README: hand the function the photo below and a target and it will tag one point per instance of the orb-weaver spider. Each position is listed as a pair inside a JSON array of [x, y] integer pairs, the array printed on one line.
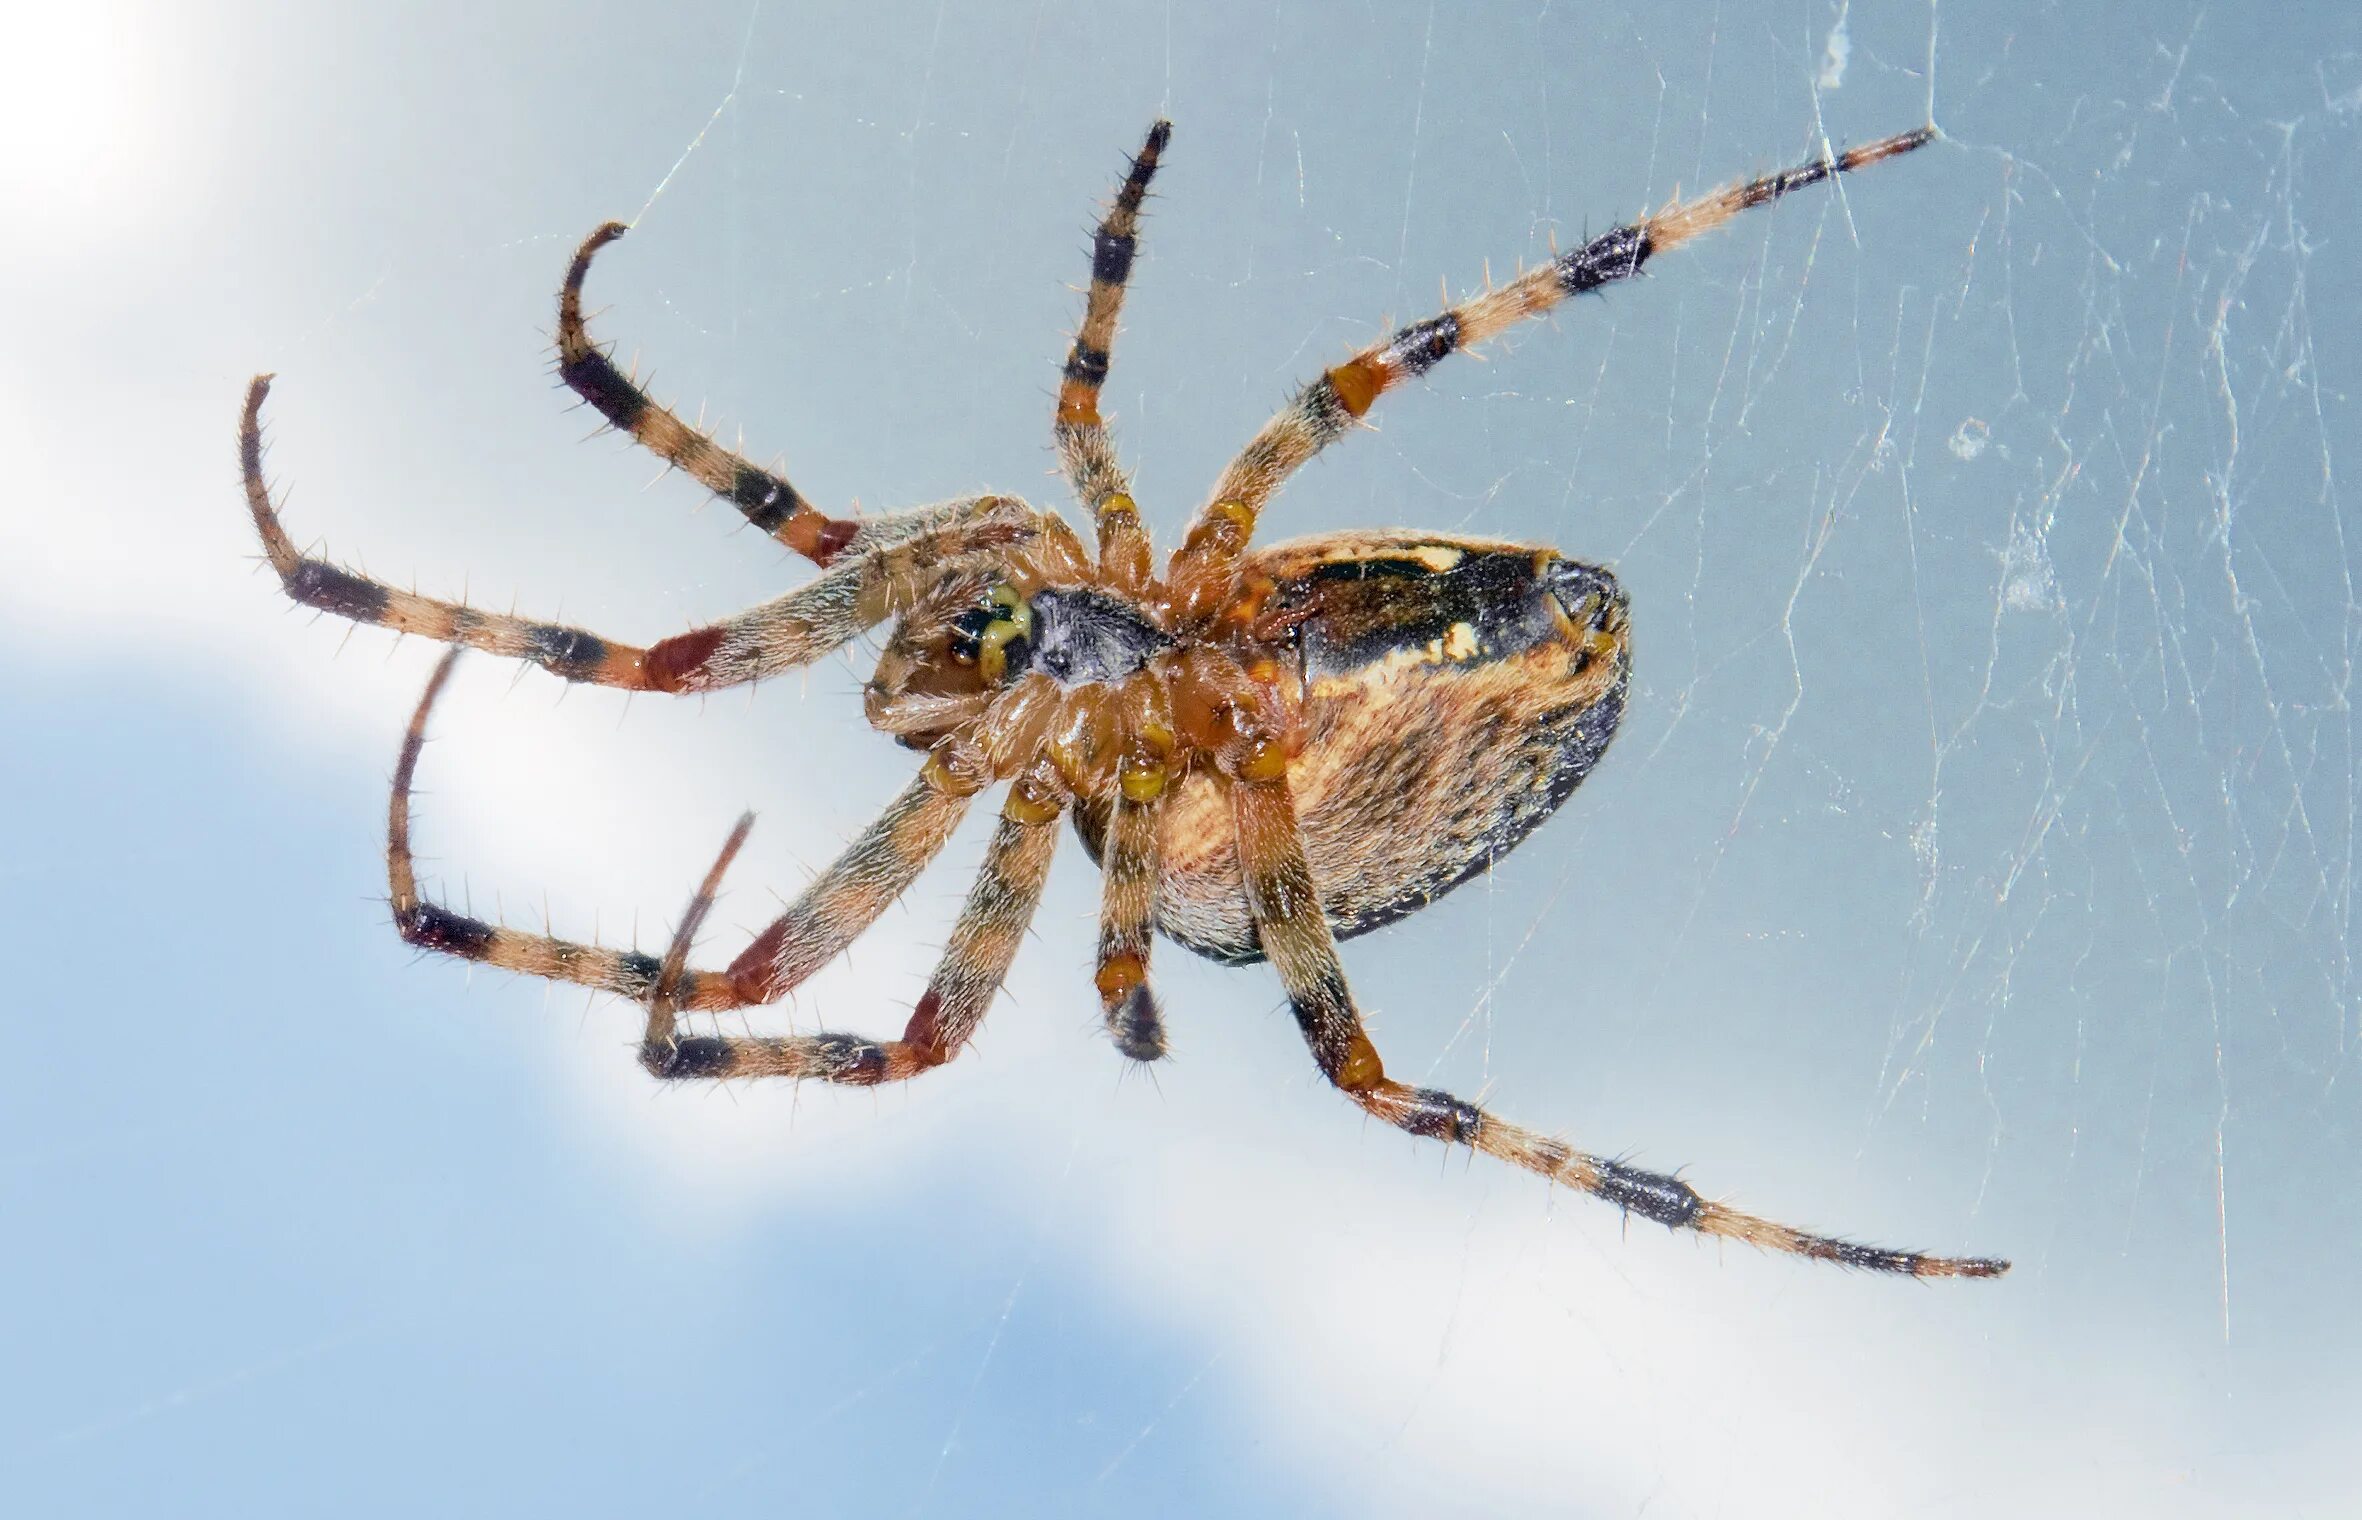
[[1266, 749]]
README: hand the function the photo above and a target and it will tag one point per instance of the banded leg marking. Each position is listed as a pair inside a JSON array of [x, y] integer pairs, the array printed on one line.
[[1085, 447], [844, 900], [790, 631], [1323, 411], [1001, 904], [1295, 935], [841, 903], [1127, 918], [1113, 246], [764, 498], [571, 653], [429, 925]]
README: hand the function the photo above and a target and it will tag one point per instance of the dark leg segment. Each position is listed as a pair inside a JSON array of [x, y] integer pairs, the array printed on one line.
[[572, 653], [766, 499], [1084, 446], [839, 905], [431, 926], [844, 900], [1324, 410], [1295, 935], [1127, 919], [861, 592], [1008, 889]]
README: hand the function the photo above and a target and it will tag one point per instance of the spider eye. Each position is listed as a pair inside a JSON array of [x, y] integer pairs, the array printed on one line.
[[994, 635], [967, 634]]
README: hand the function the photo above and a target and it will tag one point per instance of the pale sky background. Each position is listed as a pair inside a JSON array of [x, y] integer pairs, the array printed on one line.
[[1975, 870]]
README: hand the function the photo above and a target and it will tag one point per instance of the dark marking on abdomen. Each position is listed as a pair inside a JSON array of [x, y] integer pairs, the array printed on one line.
[[1371, 608]]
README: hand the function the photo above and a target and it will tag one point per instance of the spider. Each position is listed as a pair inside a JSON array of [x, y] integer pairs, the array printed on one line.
[[1266, 750]]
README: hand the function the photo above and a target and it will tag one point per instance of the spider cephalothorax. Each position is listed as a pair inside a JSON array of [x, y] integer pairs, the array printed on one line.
[[1266, 749], [1432, 699]]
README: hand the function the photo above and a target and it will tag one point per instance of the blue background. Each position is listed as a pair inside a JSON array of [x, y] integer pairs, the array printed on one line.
[[1975, 870]]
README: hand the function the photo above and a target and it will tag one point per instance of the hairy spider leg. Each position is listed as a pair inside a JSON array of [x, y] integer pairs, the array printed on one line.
[[763, 497], [430, 926], [1295, 935], [664, 999], [1326, 409], [842, 902], [1127, 919], [1137, 720], [1085, 448], [845, 899], [792, 630], [1000, 906]]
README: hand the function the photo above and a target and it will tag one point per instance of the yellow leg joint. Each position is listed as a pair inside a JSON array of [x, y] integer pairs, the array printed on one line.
[[1141, 780], [1266, 760], [1361, 1069], [1119, 974], [1031, 803]]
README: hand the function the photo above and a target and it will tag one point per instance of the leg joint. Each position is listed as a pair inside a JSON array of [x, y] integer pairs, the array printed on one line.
[[1087, 365], [849, 1059], [1436, 1115]]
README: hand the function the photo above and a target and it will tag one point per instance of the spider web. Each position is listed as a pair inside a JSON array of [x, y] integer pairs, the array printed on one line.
[[1978, 855], [1982, 835], [1974, 871]]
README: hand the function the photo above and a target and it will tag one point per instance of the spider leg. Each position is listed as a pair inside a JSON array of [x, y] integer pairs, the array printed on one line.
[[431, 926], [1085, 449], [843, 900], [1127, 917], [844, 602], [1295, 935], [1001, 904], [1326, 409], [766, 499], [840, 903]]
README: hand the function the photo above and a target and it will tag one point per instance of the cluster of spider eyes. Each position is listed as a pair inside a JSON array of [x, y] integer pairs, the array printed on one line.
[[994, 636]]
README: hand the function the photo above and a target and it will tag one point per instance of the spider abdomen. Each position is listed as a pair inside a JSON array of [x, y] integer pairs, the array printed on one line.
[[1454, 692]]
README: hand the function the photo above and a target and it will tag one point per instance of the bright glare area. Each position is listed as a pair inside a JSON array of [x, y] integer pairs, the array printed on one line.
[[94, 122]]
